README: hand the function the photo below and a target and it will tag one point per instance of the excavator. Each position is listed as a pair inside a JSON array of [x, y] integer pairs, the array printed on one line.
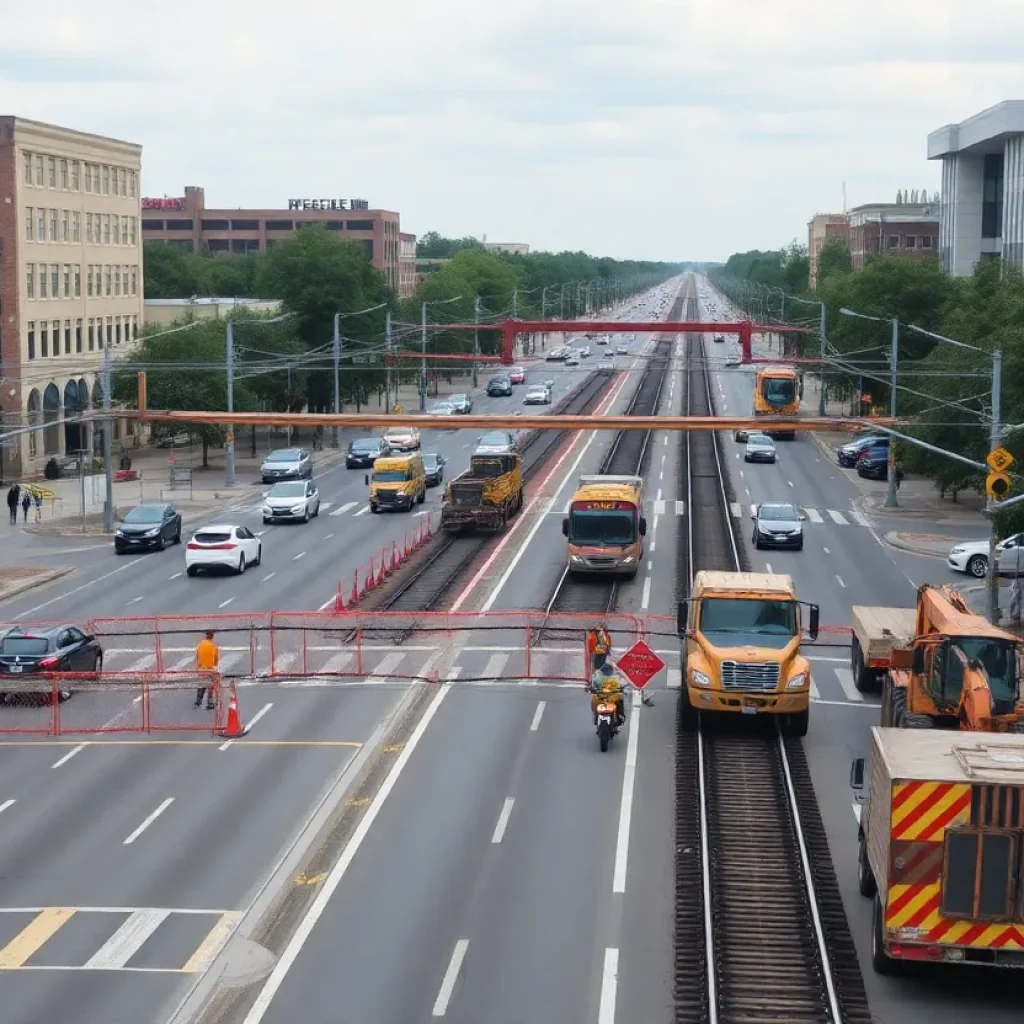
[[956, 672]]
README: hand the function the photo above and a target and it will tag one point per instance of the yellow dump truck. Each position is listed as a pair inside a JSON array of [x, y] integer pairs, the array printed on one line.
[[940, 835], [486, 496], [741, 635]]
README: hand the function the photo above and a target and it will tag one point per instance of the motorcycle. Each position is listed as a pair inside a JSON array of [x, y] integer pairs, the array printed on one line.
[[606, 717]]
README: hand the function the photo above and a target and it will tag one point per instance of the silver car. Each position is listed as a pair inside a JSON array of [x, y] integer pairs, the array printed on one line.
[[287, 464], [293, 500], [497, 442], [760, 448], [778, 524], [462, 404], [538, 394]]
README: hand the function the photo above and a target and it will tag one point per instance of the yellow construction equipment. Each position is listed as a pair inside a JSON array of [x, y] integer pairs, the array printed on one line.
[[486, 496]]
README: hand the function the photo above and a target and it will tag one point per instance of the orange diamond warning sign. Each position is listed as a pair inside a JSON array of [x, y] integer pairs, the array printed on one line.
[[999, 460]]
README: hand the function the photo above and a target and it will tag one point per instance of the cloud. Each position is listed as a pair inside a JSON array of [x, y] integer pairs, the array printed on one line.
[[659, 128]]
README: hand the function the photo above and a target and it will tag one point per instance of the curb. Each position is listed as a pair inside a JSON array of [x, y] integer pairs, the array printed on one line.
[[47, 576], [893, 540]]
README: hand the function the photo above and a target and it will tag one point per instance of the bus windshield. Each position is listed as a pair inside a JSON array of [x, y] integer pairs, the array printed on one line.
[[599, 528], [389, 476], [747, 615], [778, 390], [997, 657]]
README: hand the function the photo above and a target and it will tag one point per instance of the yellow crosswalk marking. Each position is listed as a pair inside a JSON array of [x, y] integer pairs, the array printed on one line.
[[213, 943], [34, 936]]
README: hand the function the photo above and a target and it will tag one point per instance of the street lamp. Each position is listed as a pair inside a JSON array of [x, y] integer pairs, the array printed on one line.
[[423, 346], [890, 495], [821, 339], [336, 347]]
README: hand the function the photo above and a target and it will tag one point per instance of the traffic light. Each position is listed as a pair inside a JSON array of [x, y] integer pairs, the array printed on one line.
[[997, 486]]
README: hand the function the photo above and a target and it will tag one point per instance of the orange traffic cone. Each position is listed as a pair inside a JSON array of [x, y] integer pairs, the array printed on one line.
[[355, 588], [396, 559], [234, 729], [379, 580], [339, 600]]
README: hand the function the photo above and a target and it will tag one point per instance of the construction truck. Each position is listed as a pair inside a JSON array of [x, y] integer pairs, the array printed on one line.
[[741, 634], [941, 829], [875, 631], [954, 670], [485, 496]]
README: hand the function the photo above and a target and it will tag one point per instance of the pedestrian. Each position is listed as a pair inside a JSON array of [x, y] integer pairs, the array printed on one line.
[[26, 501], [208, 660], [37, 500], [899, 477], [13, 496]]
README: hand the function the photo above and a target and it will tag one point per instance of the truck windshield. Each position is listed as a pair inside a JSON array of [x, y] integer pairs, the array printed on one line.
[[597, 528], [389, 476], [998, 658], [778, 390], [747, 615]]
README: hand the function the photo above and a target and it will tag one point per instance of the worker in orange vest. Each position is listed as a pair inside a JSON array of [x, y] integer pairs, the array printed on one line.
[[208, 660], [599, 646]]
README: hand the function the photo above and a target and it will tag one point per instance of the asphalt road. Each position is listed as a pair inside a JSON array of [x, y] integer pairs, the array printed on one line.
[[128, 859], [844, 563]]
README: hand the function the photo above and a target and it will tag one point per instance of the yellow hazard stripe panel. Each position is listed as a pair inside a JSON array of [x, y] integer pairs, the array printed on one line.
[[917, 907], [924, 810], [910, 906]]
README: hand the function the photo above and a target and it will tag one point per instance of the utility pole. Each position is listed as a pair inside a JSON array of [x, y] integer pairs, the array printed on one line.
[[821, 379], [561, 303], [476, 340], [890, 495], [229, 476], [994, 440], [423, 359], [336, 430], [388, 361], [108, 461]]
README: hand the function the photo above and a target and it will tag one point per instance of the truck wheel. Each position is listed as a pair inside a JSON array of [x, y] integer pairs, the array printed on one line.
[[880, 960], [519, 500], [897, 707], [796, 724], [863, 679], [865, 879]]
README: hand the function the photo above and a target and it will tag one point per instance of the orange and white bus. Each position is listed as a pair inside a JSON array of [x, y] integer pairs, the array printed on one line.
[[777, 393], [605, 526]]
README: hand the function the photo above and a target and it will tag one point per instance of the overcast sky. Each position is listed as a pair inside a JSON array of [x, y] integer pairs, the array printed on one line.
[[655, 129]]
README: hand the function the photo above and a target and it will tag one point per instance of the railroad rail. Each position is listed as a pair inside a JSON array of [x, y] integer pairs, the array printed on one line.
[[760, 929]]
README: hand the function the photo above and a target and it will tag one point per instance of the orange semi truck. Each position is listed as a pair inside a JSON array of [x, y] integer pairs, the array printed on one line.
[[605, 526]]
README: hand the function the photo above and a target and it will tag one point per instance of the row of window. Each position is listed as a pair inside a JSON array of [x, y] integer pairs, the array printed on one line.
[[910, 242], [46, 225], [75, 176], [102, 280], [96, 332], [187, 224]]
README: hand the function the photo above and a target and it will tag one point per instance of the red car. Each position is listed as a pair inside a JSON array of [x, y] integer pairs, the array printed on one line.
[[517, 375]]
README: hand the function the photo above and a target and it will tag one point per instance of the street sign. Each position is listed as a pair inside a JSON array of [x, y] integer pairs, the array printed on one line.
[[999, 461], [997, 485], [640, 664]]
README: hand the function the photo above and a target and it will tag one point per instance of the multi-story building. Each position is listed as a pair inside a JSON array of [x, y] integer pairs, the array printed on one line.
[[70, 280], [515, 248], [820, 227], [904, 229], [188, 222], [982, 208], [406, 265]]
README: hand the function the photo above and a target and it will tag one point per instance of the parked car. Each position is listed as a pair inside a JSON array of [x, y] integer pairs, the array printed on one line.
[[287, 464], [873, 463], [556, 355], [971, 557], [583, 352], [222, 547], [496, 442], [462, 404], [733, 361], [719, 339], [148, 526], [434, 467], [25, 651], [572, 359], [292, 501], [402, 439], [539, 394], [778, 525], [849, 453], [760, 448], [442, 409], [606, 364], [364, 450], [622, 350], [498, 386], [517, 375], [743, 434]]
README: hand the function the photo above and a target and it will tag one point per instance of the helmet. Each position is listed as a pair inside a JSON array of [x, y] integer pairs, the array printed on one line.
[[606, 670]]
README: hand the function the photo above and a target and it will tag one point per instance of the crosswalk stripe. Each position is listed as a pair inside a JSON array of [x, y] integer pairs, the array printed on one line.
[[325, 505], [680, 508], [674, 679], [815, 695], [858, 518], [753, 510], [363, 510], [734, 507], [342, 509], [207, 952], [34, 936], [814, 515], [387, 665], [495, 665], [337, 663], [845, 677], [659, 507], [838, 517], [127, 940]]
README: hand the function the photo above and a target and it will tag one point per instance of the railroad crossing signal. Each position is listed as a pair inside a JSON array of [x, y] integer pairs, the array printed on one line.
[[999, 461], [640, 664], [997, 486]]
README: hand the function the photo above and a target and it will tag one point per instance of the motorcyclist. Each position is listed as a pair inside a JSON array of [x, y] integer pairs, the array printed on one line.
[[607, 684], [599, 646]]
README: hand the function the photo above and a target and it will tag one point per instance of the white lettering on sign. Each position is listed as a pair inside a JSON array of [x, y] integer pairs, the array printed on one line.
[[328, 204]]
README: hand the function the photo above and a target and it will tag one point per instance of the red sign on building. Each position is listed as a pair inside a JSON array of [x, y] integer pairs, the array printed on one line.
[[163, 204], [640, 664]]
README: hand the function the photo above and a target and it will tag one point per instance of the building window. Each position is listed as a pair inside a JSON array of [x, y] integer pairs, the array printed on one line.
[[67, 338], [67, 280], [131, 184], [106, 180], [64, 179], [78, 283], [992, 196], [245, 225], [106, 229], [218, 245], [39, 169], [76, 226], [124, 230], [87, 177], [30, 280], [42, 280], [41, 225], [245, 245], [76, 170], [53, 225], [30, 224], [134, 232], [117, 280], [51, 171], [152, 225], [367, 244], [360, 225], [27, 157], [280, 225], [78, 336], [31, 339], [54, 280], [215, 225], [334, 225], [110, 331], [107, 280], [926, 241], [96, 178], [88, 280], [44, 338], [65, 226], [135, 326], [135, 280], [910, 241], [117, 330], [55, 338], [178, 225], [88, 229], [892, 242]]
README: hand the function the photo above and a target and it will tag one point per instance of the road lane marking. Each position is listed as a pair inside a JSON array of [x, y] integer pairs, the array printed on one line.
[[127, 940], [839, 580], [626, 807], [252, 721], [845, 677], [342, 509], [70, 754], [149, 821], [362, 511], [858, 518], [77, 590], [6, 804], [385, 667], [270, 576], [609, 987], [451, 976], [301, 554], [328, 536], [768, 567], [175, 576], [646, 599], [224, 604], [495, 665], [499, 828], [537, 716], [337, 873], [136, 600], [34, 936], [202, 959]]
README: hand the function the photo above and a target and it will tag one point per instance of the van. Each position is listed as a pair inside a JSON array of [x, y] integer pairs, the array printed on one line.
[[396, 482]]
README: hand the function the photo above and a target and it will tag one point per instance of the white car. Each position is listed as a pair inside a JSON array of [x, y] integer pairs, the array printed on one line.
[[222, 547], [606, 364], [539, 394], [402, 439], [572, 360], [291, 500], [622, 350], [971, 557]]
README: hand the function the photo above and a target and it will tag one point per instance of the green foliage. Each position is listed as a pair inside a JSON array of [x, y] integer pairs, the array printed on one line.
[[834, 258], [435, 246], [174, 273]]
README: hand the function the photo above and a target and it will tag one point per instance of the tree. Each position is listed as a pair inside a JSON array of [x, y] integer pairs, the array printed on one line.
[[796, 268], [899, 196], [169, 272], [435, 246], [834, 258]]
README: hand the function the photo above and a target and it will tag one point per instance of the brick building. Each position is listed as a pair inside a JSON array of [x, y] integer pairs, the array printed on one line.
[[820, 227], [905, 229], [188, 222], [70, 280]]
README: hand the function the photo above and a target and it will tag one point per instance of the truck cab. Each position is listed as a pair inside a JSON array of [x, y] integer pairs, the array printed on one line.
[[741, 634]]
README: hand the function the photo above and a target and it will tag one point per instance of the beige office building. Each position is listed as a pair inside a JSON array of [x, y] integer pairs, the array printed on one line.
[[70, 280]]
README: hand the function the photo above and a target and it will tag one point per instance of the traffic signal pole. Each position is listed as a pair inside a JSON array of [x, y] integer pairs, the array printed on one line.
[[994, 443]]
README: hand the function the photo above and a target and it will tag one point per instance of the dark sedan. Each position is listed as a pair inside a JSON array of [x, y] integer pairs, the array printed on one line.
[[778, 524], [148, 527], [364, 451], [874, 463], [433, 465], [499, 386], [848, 454], [27, 652]]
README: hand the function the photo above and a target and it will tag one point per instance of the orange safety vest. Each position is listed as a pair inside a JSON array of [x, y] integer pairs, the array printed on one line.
[[601, 641], [207, 655]]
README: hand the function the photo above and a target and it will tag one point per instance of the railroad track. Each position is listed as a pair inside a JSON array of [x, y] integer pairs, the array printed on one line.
[[760, 930], [597, 595]]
